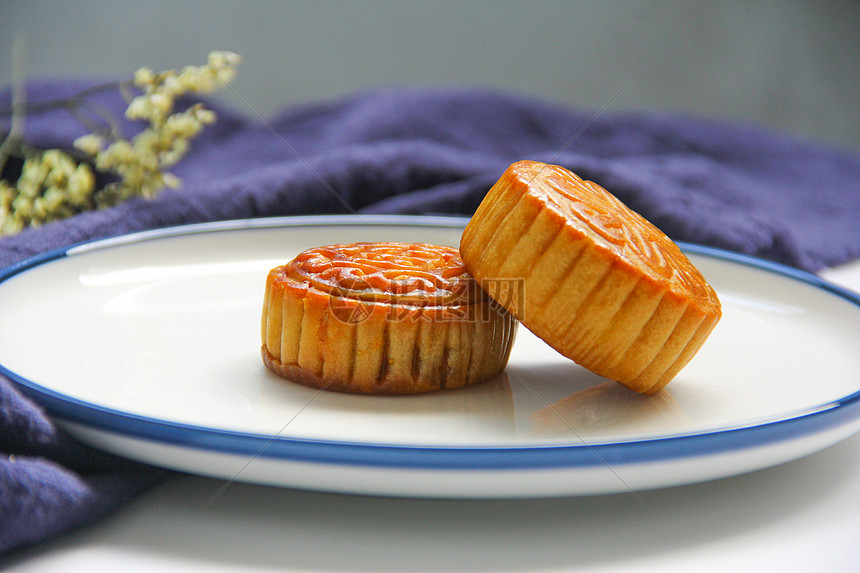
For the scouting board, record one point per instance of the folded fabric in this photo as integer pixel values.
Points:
(732, 186)
(50, 483)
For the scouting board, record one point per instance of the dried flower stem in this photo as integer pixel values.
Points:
(16, 129)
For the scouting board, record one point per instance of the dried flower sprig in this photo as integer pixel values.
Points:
(53, 185)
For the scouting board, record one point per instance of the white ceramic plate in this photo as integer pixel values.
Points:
(147, 346)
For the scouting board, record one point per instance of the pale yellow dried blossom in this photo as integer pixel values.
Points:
(90, 144)
(80, 186)
(161, 89)
(224, 60)
(7, 196)
(143, 76)
(53, 185)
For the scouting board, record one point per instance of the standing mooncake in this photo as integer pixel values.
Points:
(601, 284)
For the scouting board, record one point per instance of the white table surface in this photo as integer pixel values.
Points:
(800, 516)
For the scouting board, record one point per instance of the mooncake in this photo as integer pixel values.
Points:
(600, 284)
(382, 318)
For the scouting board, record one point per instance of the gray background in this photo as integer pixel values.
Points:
(792, 65)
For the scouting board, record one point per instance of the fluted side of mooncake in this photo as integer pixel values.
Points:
(601, 285)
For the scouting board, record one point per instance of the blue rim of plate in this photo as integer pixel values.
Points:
(811, 421)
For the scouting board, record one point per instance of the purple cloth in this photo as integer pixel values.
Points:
(50, 483)
(417, 151)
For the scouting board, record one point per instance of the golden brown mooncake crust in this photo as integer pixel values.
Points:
(601, 284)
(382, 318)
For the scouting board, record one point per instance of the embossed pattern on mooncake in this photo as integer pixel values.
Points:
(629, 233)
(420, 274)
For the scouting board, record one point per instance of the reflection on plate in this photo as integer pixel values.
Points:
(609, 409)
(148, 346)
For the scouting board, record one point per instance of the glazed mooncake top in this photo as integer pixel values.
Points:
(590, 209)
(409, 273)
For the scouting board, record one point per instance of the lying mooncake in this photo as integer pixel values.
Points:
(382, 318)
(600, 284)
